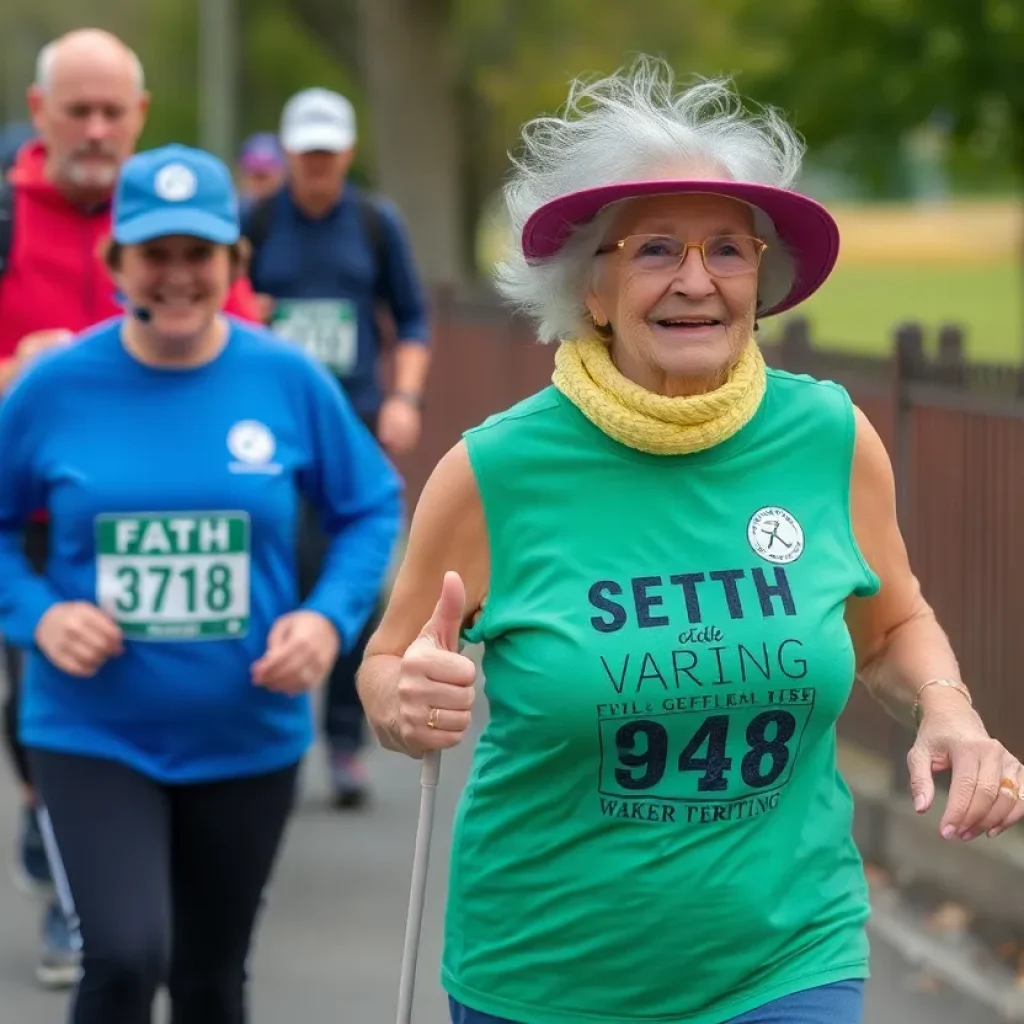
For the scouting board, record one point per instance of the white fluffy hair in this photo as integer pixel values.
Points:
(626, 127)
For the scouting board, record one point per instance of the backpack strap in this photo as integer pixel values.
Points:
(257, 224)
(6, 222)
(260, 219)
(373, 225)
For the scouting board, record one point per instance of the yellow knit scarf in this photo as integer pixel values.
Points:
(586, 375)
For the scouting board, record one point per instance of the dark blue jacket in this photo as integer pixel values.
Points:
(328, 277)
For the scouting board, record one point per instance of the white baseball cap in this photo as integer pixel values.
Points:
(318, 119)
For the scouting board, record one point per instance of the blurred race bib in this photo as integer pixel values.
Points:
(327, 329)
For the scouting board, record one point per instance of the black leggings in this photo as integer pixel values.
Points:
(13, 661)
(166, 883)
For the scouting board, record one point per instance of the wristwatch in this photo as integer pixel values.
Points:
(409, 397)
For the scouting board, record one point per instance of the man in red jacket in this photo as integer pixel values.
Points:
(88, 106)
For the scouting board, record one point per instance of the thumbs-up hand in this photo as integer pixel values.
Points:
(435, 684)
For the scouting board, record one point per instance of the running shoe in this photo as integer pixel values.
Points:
(348, 780)
(61, 960)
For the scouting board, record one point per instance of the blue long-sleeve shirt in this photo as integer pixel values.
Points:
(327, 281)
(172, 497)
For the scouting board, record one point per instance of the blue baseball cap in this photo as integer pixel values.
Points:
(175, 190)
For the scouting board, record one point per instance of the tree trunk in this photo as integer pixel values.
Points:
(410, 79)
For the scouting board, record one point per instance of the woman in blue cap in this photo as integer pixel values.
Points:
(166, 705)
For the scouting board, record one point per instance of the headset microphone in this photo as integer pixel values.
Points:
(142, 313)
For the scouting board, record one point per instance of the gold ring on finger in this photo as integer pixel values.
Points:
(1011, 786)
(432, 718)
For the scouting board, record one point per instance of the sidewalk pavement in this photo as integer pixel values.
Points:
(956, 907)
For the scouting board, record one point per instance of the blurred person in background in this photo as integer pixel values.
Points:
(261, 168)
(326, 256)
(679, 562)
(167, 689)
(88, 105)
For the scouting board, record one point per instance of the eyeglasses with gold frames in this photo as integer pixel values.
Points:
(722, 255)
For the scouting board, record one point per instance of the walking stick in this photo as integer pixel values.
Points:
(429, 774)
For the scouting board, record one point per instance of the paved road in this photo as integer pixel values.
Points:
(331, 940)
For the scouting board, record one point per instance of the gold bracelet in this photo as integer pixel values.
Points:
(953, 684)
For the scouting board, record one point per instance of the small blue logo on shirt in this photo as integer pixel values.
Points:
(253, 447)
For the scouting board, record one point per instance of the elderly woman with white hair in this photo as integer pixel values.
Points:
(678, 562)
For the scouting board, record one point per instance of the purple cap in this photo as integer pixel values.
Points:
(261, 152)
(806, 228)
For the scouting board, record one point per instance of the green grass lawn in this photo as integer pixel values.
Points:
(860, 305)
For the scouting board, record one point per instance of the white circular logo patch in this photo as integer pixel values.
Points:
(175, 183)
(775, 535)
(251, 442)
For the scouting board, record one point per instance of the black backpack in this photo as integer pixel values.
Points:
(259, 221)
(6, 222)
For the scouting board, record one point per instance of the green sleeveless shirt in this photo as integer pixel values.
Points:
(654, 829)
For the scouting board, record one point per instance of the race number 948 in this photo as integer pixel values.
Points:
(694, 756)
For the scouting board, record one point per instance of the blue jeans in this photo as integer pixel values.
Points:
(840, 1003)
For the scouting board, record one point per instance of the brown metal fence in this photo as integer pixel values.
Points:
(955, 433)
